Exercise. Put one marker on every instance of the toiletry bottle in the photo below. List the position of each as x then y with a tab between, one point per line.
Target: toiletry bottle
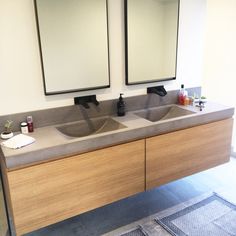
186	101
121	106
183	94
30	123
24	127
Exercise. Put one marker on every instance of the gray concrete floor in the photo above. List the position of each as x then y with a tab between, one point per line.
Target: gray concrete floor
115	215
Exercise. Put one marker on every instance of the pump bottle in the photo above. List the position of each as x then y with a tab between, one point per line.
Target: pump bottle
183	94
121	106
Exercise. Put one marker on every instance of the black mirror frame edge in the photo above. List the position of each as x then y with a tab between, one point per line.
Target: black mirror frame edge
42	66
126	49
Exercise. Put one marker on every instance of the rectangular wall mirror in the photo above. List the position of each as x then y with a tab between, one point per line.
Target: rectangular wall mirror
151	31
73	40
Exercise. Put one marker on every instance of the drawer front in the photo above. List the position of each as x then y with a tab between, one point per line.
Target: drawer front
178	154
54	191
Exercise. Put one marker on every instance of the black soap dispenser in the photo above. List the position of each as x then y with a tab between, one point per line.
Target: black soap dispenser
121	106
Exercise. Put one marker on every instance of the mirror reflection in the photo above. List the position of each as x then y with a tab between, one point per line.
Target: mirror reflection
73	40
151	40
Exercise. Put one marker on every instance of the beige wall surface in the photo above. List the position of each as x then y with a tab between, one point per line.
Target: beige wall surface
220	50
20	69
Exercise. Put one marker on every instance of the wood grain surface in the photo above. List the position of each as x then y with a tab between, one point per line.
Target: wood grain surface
54	191
175	155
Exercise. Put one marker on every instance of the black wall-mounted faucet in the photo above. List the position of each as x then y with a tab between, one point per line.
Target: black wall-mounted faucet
85	100
160	90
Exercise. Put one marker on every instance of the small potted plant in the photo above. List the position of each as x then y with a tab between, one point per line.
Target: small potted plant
203	99
7	133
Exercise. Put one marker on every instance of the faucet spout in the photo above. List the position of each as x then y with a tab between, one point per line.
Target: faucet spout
159	90
85	100
94	100
200	105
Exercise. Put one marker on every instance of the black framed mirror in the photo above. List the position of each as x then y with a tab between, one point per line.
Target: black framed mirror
74	45
151	39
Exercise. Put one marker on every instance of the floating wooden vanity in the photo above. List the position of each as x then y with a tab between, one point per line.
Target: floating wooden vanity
49	192
57	190
178	154
59	177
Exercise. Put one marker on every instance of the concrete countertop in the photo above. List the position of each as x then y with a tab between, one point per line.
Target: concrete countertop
51	144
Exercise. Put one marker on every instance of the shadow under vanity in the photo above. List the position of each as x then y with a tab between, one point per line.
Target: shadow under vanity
60	176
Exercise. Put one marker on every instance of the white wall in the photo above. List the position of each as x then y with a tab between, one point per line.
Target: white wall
20	71
220	52
220	64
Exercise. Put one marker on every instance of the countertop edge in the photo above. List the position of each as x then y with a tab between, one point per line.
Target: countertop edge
66	150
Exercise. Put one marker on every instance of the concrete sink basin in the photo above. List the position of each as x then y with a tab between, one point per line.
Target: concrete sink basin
163	113
90	127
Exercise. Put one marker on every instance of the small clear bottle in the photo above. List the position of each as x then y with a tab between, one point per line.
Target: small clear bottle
183	94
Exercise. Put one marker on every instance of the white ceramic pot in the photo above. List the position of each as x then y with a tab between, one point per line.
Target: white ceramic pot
6	135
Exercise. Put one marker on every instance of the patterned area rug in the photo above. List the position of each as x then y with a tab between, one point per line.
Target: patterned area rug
208	215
